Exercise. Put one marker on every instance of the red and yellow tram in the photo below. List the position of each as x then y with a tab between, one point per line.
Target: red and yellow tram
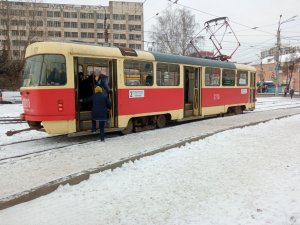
148	89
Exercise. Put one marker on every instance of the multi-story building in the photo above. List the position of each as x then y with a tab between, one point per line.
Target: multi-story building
287	73
119	24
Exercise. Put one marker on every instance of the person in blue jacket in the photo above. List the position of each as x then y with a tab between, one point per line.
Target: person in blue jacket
101	105
102	81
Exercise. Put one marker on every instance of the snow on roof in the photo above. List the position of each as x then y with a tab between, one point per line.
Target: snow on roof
282	58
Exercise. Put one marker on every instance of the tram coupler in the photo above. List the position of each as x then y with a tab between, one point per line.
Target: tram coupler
13	132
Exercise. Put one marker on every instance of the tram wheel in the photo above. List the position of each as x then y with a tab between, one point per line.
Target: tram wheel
129	128
238	110
161	121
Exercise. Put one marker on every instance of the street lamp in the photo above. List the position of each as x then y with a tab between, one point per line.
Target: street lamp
277	52
105	25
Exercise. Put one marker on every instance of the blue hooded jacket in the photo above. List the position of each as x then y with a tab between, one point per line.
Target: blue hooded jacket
100	106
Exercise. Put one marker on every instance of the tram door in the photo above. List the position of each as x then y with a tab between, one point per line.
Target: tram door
197	92
252	88
192	91
85	70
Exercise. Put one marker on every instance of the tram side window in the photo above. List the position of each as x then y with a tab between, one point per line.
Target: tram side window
228	77
212	76
242	78
138	73
167	74
45	70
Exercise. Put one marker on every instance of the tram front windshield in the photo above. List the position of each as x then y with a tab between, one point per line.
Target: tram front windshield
45	70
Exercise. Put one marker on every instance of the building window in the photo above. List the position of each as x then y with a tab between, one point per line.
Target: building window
3	22
101	16
83	25
167	74
50	23
3	32
138	37
36	33
123	36
18	33
54	33
35	13
15	33
74	34
212	76
53	14
73	14
83	15
67	24
131	36
39	23
116	26
118	16
100	35
67	34
90	35
67	15
57	24
116	36
90	15
83	35
134	17
74	25
138	73
100	26
91	25
134	27
122	27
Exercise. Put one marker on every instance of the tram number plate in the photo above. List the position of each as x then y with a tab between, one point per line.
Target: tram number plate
244	91
136	93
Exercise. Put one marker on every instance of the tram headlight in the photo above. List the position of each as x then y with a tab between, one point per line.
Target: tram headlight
60	105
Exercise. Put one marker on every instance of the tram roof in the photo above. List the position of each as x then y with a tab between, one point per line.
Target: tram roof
163	57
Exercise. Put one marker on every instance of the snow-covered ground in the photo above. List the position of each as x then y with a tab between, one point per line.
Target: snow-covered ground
240	176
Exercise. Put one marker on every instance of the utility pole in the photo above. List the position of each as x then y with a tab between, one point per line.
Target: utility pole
276	58
278	52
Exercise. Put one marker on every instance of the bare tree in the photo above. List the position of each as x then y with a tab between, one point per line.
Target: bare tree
18	27
289	67
174	30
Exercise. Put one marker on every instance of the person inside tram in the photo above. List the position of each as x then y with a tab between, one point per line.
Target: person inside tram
57	77
102	81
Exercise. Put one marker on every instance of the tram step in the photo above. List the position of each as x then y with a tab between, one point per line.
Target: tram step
188	106
87	125
85	115
188	113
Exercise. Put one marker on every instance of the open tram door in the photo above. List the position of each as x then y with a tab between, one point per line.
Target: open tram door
192	91
252	90
85	71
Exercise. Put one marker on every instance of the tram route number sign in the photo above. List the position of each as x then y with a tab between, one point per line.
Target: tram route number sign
136	93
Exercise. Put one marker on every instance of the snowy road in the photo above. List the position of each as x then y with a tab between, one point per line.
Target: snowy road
248	175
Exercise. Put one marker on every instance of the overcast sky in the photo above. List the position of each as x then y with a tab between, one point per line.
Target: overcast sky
243	16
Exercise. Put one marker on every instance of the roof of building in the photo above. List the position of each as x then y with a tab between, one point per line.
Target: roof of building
282	58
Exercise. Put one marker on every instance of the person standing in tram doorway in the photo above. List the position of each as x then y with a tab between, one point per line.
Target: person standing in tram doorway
101	105
102	81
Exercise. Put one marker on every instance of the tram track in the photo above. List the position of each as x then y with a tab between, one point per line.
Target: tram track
62	141
12	151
